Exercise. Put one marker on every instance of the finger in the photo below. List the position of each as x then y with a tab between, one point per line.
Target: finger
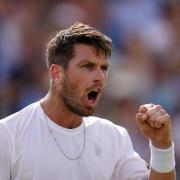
155	116
141	117
157	124
151	123
163	120
145	107
151	111
141	120
150	105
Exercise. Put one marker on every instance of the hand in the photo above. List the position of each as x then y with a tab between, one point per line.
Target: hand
154	122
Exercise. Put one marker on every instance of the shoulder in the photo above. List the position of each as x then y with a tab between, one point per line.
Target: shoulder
106	126
112	136
19	118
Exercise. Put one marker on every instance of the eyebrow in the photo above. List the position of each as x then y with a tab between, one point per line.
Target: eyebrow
91	62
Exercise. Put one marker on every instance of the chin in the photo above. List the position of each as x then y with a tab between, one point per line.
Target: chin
89	112
83	111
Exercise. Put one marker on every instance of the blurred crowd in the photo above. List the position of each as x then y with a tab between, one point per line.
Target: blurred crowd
145	65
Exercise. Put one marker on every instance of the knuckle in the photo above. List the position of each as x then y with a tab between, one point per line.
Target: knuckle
163	112
158	107
167	116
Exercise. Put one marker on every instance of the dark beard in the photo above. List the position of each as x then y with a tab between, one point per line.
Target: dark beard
72	101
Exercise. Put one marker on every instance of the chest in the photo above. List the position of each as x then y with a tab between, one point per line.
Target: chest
40	158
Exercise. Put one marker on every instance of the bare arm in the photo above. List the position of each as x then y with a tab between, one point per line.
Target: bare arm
159	176
155	124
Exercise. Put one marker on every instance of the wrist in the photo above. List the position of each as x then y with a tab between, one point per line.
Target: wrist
162	144
162	160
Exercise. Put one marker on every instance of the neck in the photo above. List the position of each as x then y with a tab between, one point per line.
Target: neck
59	113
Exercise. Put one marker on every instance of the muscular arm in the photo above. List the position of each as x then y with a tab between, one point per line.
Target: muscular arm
155	124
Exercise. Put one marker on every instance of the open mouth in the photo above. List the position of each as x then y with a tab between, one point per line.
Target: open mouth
92	96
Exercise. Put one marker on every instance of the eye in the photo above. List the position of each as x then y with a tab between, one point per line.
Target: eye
89	66
104	68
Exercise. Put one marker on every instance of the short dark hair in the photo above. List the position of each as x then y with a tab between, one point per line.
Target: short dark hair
61	48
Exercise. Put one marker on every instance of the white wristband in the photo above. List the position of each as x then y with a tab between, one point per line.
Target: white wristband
162	160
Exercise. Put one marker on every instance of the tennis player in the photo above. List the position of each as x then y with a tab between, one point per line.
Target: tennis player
57	138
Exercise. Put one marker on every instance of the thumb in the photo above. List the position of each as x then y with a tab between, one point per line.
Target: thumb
141	117
145	107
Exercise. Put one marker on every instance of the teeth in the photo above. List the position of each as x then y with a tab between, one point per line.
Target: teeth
94	90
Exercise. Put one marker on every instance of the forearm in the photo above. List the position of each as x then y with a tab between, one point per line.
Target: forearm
154	175
155	123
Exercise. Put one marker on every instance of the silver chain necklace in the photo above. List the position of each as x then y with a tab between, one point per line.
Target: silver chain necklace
59	146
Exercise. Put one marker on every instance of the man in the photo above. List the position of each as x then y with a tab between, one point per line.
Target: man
58	139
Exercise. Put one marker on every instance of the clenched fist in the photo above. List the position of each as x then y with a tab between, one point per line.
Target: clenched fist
155	123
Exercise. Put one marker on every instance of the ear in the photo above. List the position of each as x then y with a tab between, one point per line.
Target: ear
55	72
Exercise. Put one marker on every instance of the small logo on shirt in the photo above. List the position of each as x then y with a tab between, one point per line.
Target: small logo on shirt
97	150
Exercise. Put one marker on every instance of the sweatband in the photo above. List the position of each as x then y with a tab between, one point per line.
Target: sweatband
162	160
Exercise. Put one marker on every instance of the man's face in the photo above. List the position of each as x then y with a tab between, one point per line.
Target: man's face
84	80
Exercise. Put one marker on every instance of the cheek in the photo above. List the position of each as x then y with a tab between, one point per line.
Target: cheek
80	80
79	86
106	78
75	86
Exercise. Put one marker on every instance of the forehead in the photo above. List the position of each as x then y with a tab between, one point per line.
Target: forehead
83	52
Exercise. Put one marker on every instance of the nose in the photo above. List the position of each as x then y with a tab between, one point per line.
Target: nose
100	75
